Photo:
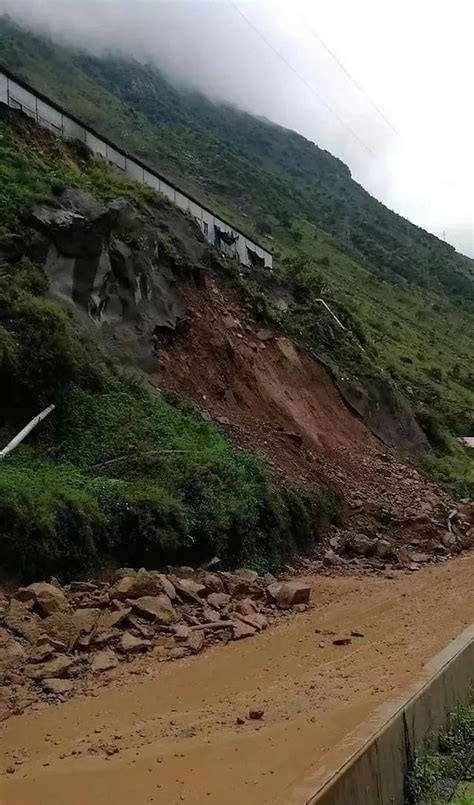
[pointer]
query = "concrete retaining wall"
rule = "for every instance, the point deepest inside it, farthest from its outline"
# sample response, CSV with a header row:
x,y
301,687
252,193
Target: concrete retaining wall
x,y
18,95
375,773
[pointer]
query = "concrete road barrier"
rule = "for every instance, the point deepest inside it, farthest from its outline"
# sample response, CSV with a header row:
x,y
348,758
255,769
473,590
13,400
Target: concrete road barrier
x,y
376,770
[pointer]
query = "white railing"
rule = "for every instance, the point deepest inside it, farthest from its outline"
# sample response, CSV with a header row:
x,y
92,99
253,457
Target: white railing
x,y
18,95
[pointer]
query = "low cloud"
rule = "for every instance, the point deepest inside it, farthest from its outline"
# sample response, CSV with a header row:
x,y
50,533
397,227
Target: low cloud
x,y
422,167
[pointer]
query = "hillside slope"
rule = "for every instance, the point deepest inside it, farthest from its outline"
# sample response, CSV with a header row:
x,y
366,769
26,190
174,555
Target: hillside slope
x,y
110,303
406,296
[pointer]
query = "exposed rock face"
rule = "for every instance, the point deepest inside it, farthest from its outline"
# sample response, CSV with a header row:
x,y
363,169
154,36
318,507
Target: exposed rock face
x,y
386,412
107,278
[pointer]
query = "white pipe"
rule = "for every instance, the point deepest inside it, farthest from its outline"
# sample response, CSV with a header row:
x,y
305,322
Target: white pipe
x,y
26,430
330,311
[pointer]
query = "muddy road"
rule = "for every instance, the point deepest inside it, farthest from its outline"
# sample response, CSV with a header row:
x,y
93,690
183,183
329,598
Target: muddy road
x,y
169,734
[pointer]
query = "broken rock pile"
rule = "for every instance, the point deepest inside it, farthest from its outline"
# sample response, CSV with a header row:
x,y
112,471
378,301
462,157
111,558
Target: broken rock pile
x,y
52,638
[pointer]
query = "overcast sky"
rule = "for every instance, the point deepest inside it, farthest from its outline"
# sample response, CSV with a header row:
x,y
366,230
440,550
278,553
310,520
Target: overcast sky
x,y
386,85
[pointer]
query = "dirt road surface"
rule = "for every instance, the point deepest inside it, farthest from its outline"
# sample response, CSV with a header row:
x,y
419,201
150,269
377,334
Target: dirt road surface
x,y
169,735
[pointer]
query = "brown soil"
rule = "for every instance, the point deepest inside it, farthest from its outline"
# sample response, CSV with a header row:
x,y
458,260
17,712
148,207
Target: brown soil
x,y
265,392
169,735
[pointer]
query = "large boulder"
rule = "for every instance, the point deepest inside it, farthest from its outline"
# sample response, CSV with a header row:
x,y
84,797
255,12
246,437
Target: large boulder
x,y
129,644
188,588
12,654
47,598
104,660
289,593
58,666
136,585
218,600
57,686
155,608
240,584
361,545
68,626
23,622
109,620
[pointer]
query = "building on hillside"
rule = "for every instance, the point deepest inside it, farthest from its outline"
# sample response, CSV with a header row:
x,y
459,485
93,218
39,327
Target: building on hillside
x,y
220,233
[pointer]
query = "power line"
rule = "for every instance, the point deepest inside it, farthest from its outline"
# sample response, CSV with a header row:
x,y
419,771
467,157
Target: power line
x,y
303,79
361,89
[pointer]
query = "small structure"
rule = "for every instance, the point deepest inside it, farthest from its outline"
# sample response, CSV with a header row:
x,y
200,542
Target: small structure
x,y
467,441
16,94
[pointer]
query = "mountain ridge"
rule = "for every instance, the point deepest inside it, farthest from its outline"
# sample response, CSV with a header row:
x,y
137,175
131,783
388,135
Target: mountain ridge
x,y
409,295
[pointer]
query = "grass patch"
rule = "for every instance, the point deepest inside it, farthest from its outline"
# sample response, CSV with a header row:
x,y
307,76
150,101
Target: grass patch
x,y
438,777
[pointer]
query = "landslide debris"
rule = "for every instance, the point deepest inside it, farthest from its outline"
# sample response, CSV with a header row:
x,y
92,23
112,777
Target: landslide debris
x,y
110,630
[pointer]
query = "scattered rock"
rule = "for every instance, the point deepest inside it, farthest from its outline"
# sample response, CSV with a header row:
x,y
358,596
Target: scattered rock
x,y
342,641
383,548
239,720
239,584
248,575
68,625
293,592
242,629
82,587
361,545
58,666
109,620
256,713
156,608
58,686
257,621
264,335
133,645
168,586
190,589
181,632
330,559
23,622
40,653
218,600
12,654
357,633
177,653
103,661
137,585
196,641
246,607
47,597
420,558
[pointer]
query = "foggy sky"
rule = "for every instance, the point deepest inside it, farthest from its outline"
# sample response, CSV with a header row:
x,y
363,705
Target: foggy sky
x,y
413,59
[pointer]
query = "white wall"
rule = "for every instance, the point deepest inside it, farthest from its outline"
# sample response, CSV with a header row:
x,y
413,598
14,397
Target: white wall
x,y
47,115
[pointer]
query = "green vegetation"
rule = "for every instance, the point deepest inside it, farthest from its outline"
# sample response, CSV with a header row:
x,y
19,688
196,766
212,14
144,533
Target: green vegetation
x,y
407,297
174,489
440,776
118,472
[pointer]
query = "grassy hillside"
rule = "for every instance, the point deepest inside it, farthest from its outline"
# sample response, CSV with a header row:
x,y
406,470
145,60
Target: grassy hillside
x,y
408,296
179,491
